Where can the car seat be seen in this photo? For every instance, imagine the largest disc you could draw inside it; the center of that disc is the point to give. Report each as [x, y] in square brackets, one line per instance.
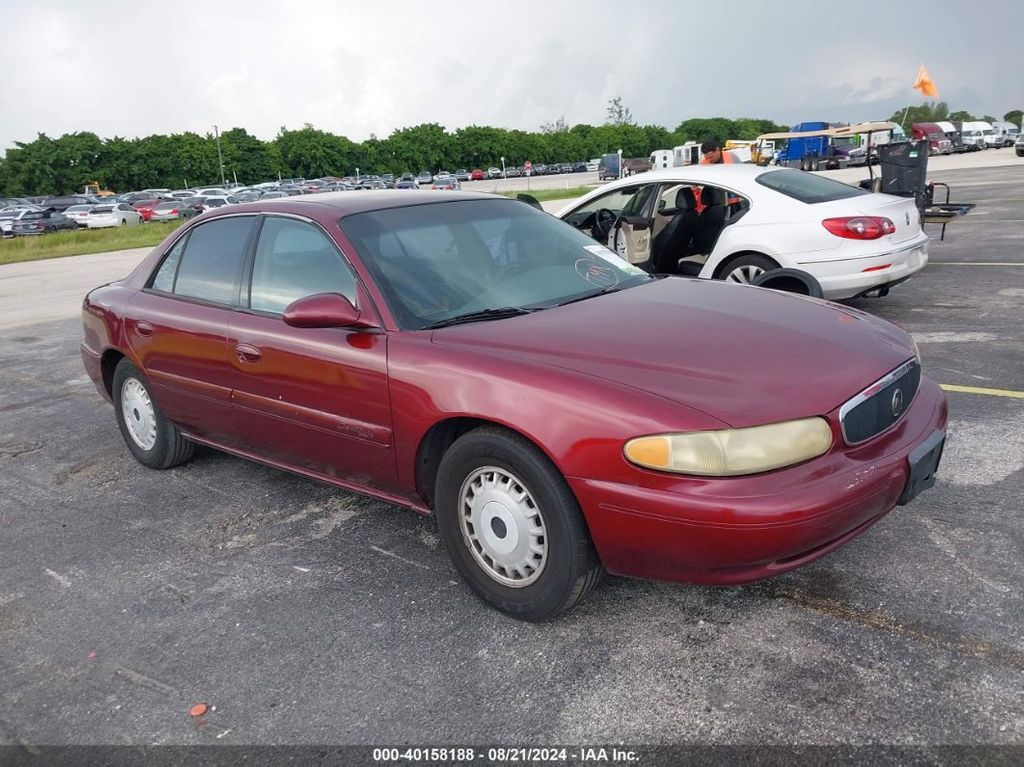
[712, 221]
[673, 242]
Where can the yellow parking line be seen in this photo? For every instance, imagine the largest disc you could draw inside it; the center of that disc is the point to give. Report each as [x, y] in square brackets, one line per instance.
[981, 390]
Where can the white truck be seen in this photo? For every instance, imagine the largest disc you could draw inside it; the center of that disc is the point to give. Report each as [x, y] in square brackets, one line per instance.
[972, 133]
[1007, 132]
[661, 159]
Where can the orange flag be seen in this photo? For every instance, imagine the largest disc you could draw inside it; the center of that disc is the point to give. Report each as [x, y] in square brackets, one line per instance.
[925, 84]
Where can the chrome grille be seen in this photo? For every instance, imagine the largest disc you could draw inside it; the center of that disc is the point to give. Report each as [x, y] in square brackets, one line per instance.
[881, 405]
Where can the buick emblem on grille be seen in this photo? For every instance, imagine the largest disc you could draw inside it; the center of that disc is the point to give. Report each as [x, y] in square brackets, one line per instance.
[897, 402]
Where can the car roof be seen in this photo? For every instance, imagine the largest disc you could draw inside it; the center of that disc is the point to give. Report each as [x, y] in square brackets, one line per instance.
[342, 204]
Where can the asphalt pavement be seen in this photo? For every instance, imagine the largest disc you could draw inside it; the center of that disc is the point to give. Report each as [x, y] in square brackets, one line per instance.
[304, 614]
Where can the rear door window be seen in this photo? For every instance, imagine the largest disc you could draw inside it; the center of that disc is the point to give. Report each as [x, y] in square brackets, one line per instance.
[212, 262]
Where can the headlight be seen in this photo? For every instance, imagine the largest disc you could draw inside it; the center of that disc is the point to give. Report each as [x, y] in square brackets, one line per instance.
[732, 452]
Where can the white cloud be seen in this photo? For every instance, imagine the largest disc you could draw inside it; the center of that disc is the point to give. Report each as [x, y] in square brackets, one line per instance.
[130, 69]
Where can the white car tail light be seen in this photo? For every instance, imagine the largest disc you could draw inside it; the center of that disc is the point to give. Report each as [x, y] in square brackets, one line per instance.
[859, 227]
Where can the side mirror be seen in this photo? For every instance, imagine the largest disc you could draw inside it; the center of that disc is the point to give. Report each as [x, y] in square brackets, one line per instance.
[529, 199]
[324, 310]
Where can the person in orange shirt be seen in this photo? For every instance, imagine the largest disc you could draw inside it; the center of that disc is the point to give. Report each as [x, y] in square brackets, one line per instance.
[713, 154]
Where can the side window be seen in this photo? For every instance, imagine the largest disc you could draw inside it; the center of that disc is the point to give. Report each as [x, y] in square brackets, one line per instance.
[212, 260]
[614, 201]
[293, 260]
[164, 279]
[636, 205]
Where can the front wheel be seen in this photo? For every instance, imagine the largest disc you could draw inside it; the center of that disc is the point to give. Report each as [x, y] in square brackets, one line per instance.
[512, 527]
[152, 439]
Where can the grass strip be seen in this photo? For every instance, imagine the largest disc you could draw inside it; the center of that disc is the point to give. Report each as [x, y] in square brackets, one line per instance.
[82, 241]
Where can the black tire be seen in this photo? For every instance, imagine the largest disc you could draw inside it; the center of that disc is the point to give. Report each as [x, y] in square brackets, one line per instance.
[170, 446]
[571, 568]
[790, 281]
[747, 262]
[124, 222]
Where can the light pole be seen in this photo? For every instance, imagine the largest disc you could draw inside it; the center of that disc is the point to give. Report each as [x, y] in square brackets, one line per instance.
[220, 157]
[503, 166]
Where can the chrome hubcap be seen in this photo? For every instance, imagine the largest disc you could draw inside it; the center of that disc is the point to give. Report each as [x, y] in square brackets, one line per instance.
[744, 274]
[503, 527]
[138, 412]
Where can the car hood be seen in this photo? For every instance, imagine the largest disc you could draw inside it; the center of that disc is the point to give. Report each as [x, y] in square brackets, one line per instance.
[743, 355]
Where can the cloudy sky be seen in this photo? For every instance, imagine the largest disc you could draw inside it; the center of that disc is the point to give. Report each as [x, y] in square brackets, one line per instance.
[356, 68]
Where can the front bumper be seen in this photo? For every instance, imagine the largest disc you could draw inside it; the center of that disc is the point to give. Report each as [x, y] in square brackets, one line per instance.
[736, 530]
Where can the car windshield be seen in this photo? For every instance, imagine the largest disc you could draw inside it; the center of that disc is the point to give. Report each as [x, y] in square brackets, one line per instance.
[78, 209]
[167, 206]
[441, 261]
[807, 187]
[102, 209]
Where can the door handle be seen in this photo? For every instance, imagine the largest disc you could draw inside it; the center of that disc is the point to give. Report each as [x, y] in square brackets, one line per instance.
[248, 353]
[143, 328]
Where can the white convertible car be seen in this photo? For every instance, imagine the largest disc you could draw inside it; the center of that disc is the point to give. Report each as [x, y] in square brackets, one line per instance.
[734, 222]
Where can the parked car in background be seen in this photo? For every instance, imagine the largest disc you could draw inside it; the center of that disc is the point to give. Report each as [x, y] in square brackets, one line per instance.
[15, 202]
[79, 214]
[447, 182]
[9, 216]
[1018, 145]
[477, 174]
[210, 203]
[145, 207]
[41, 221]
[172, 211]
[60, 204]
[462, 174]
[424, 177]
[735, 222]
[593, 165]
[608, 166]
[403, 184]
[460, 377]
[494, 173]
[119, 214]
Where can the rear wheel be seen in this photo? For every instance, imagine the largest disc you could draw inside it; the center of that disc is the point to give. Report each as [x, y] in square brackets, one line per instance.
[746, 268]
[512, 527]
[152, 439]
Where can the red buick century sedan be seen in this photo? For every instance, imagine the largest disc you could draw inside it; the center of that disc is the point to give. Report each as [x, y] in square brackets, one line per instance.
[561, 412]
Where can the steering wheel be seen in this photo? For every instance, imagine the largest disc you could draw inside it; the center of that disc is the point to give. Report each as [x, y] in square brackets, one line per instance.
[604, 220]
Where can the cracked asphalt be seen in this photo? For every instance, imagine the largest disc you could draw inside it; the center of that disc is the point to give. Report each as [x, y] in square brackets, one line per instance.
[309, 615]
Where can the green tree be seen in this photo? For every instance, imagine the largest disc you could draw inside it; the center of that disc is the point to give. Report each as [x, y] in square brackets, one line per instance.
[558, 126]
[928, 112]
[1014, 116]
[617, 113]
[959, 116]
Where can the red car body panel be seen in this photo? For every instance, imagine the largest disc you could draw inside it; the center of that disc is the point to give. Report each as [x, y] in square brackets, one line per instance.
[355, 406]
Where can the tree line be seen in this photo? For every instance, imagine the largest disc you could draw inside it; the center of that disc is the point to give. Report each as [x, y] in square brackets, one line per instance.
[63, 165]
[938, 111]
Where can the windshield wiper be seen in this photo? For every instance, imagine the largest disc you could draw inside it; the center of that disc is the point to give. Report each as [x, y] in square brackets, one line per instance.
[483, 314]
[591, 294]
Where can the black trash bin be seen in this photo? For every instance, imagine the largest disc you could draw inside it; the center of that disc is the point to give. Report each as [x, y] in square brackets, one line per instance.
[904, 167]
